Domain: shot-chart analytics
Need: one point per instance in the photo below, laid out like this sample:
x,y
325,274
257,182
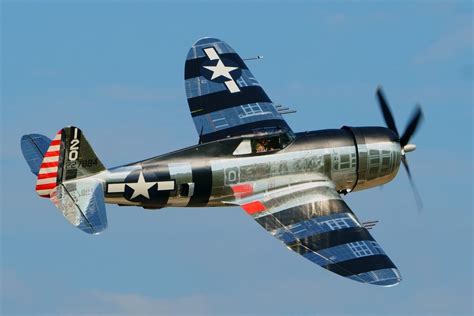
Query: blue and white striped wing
x,y
313,220
224,97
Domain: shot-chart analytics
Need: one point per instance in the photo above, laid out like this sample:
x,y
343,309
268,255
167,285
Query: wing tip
x,y
388,282
206,40
383,277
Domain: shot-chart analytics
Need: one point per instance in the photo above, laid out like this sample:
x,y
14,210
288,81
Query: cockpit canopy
x,y
260,144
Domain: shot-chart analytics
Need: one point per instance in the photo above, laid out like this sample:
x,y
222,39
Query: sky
x,y
115,69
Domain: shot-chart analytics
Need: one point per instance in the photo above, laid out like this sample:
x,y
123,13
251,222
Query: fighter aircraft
x,y
248,156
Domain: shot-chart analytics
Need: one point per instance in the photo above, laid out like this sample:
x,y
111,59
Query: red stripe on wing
x,y
254,207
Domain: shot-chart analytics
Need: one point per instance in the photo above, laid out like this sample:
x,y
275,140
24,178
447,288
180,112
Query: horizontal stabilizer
x,y
33,147
82,204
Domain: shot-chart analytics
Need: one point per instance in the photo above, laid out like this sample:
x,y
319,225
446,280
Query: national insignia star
x,y
141,187
221,70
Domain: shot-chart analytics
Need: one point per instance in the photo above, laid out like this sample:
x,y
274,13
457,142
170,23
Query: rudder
x,y
47,176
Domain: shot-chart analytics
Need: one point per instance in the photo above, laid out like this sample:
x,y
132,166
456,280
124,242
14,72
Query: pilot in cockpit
x,y
261,145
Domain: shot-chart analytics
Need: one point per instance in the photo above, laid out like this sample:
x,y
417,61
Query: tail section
x,y
64,176
69,156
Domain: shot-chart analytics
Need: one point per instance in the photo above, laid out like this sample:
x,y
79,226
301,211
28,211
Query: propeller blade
x,y
387,113
412,126
419,202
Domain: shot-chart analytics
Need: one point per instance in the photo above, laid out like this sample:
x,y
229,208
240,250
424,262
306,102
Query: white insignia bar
x,y
141,187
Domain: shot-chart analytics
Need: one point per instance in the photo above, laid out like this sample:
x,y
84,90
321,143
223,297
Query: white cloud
x,y
27,297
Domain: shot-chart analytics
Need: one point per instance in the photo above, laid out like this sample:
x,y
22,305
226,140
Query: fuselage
x,y
221,172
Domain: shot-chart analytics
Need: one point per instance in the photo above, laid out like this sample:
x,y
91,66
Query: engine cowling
x,y
378,156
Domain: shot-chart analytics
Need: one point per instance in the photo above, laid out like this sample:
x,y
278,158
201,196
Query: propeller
x,y
404,140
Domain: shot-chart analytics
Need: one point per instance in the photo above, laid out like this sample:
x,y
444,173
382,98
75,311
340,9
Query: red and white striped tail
x,y
48,172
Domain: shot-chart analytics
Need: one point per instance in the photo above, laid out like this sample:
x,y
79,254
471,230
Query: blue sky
x,y
116,71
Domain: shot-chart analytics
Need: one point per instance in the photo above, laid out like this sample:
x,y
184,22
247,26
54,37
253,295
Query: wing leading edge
x,y
224,97
313,220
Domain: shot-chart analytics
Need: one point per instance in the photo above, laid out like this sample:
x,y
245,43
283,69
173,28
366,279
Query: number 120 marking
x,y
74,147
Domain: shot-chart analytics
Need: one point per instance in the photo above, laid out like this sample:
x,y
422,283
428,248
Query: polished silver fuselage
x,y
211,174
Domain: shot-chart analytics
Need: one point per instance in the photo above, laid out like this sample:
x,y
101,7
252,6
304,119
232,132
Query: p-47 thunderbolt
x,y
248,156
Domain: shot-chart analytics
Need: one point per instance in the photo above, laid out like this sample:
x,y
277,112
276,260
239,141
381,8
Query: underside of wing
x,y
313,220
224,97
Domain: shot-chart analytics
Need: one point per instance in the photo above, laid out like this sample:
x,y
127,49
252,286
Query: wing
x,y
313,220
224,97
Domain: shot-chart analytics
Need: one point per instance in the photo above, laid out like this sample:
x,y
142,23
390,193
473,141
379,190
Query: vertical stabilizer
x,y
78,160
69,156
